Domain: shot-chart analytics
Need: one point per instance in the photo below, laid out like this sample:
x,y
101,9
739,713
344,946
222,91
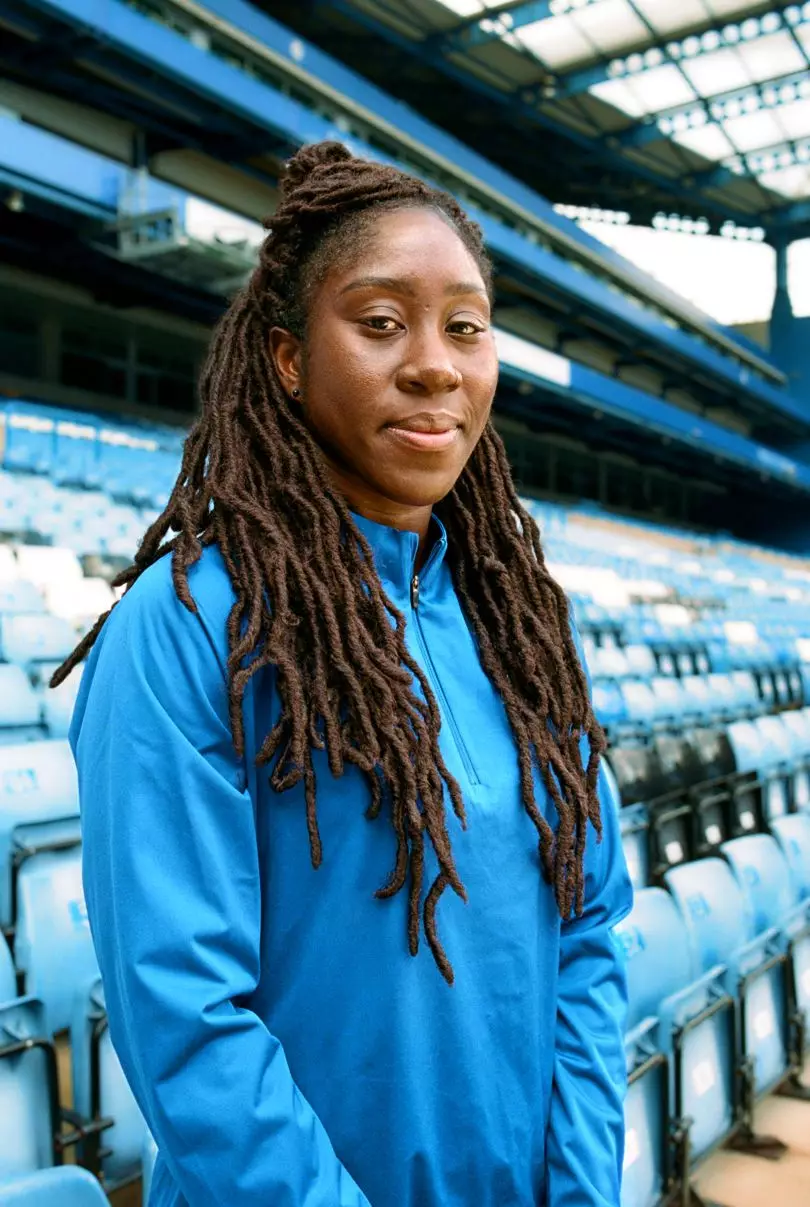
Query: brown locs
x,y
308,599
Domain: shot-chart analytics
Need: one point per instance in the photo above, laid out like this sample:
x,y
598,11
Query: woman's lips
x,y
428,442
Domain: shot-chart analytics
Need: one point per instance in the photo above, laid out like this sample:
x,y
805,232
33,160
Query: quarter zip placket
x,y
447,712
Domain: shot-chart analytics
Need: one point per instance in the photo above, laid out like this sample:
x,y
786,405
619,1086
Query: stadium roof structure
x,y
644,106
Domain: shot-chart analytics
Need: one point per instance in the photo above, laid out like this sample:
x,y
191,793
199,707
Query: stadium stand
x,y
702,689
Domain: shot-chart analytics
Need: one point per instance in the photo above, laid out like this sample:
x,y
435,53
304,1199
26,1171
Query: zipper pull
x,y
415,592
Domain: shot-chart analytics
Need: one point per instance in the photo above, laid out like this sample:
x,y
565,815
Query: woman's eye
x,y
465,327
381,322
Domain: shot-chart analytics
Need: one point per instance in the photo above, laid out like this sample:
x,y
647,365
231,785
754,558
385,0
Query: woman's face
x,y
399,369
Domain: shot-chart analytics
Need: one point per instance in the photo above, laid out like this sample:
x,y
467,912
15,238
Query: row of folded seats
x,y
50,989
718,961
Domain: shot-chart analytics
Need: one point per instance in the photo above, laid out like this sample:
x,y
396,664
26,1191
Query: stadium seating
x,y
29,1116
702,685
100,1090
67,1186
679,1044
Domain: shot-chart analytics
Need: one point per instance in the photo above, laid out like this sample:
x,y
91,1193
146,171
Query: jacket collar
x,y
395,554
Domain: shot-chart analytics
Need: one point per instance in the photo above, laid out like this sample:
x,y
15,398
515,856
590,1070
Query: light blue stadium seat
x,y
724,693
64,1186
640,660
769,885
39,806
29,639
30,438
20,596
19,707
58,704
634,824
777,766
667,998
148,1158
110,1097
608,703
27,1090
643,709
745,692
793,835
76,459
672,700
53,947
797,725
722,929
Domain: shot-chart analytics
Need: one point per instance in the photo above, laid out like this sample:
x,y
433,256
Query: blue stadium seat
x,y
793,835
30,438
53,947
634,824
642,707
722,929
39,808
30,639
777,766
58,704
76,459
797,725
640,660
18,595
671,1082
64,1186
608,704
28,1090
20,718
673,702
770,890
107,1095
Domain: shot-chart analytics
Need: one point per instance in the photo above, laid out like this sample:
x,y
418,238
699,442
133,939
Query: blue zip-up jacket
x,y
285,1048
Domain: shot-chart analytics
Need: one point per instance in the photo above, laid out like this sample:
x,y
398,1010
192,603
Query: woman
x,y
352,661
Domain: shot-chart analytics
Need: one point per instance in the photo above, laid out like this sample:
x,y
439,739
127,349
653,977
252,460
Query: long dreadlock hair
x,y
309,601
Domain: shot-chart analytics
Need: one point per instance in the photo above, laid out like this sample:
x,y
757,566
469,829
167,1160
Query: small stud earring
x,y
296,393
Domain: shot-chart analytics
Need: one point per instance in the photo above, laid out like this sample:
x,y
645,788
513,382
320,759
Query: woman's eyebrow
x,y
404,286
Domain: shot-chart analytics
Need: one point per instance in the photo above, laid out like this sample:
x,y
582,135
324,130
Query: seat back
x,y
746,743
19,705
763,875
38,785
713,909
792,832
54,949
65,1186
30,638
634,824
26,1114
644,1130
17,594
659,958
58,704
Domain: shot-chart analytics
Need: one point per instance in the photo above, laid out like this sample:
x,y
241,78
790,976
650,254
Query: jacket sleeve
x,y
585,1137
172,883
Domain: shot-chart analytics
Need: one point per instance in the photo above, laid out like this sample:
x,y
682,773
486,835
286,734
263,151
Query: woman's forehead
x,y
413,245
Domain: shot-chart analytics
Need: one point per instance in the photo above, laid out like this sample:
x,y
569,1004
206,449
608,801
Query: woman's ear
x,y
285,349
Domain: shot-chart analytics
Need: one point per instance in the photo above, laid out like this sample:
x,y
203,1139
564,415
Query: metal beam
x,y
781,15
785,154
769,94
